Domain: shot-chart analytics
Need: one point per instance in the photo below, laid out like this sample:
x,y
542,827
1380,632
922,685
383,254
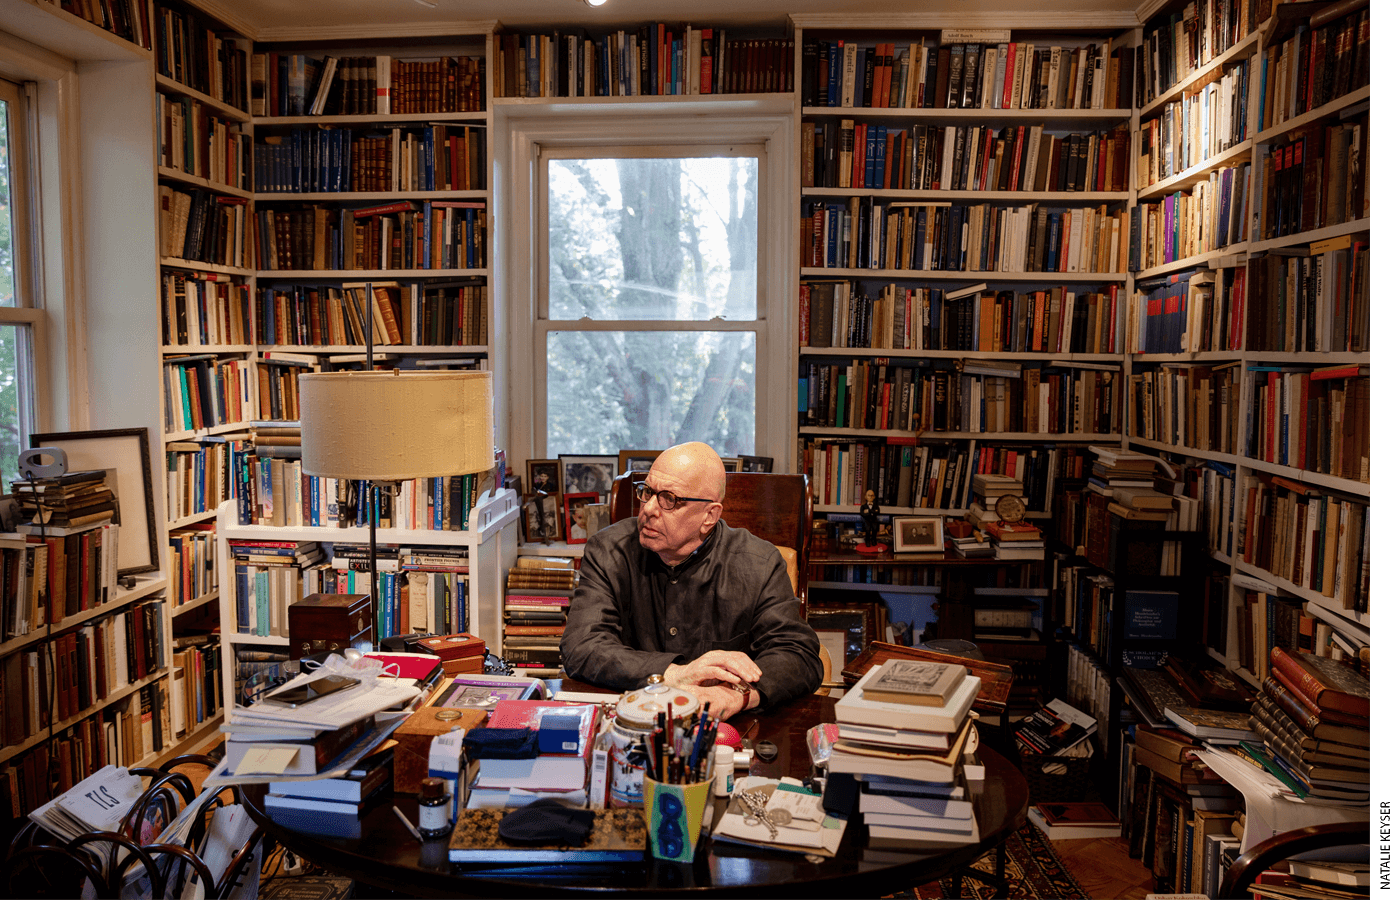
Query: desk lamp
x,y
387,427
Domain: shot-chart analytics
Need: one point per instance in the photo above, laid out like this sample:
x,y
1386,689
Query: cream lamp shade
x,y
393,426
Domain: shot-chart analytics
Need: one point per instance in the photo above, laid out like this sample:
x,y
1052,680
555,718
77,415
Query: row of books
x,y
199,142
54,681
1317,542
1316,65
1187,406
125,733
273,491
655,60
129,19
1189,131
435,314
297,84
204,391
1319,300
1189,38
848,154
1007,75
433,234
203,309
196,682
852,395
194,563
1189,311
435,157
50,577
1267,620
1318,177
197,475
838,314
1212,215
863,233
200,226
192,49
534,617
1317,419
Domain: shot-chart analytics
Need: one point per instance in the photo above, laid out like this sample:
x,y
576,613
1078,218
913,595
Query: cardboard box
x,y
415,737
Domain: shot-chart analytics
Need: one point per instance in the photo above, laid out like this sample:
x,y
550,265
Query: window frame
x,y
521,134
27,315
544,325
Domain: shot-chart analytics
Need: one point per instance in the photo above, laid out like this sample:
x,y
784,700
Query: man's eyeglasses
x,y
665,499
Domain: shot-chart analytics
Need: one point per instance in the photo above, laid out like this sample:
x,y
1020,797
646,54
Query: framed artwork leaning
x,y
848,628
124,454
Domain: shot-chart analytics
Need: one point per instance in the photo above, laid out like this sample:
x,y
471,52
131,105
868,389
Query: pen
x,y
407,824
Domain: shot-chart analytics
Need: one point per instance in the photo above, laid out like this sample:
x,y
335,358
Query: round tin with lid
x,y
635,718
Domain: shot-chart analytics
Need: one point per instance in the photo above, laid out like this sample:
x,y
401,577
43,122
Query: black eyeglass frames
x,y
666,499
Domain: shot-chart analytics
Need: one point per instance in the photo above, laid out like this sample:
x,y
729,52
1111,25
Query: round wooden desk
x,y
387,856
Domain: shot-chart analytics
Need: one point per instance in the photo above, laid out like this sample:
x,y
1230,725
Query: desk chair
x,y
1241,874
777,508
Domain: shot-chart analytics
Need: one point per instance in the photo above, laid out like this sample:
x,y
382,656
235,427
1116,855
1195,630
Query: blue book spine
x,y
872,133
437,504
240,595
880,139
263,626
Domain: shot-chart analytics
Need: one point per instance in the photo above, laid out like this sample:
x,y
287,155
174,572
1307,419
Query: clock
x,y
1010,509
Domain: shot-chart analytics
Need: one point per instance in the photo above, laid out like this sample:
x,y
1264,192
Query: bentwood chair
x,y
1241,874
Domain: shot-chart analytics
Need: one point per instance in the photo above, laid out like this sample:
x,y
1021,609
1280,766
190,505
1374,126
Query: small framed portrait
x,y
636,460
844,630
918,534
543,475
755,463
542,518
576,515
731,463
589,474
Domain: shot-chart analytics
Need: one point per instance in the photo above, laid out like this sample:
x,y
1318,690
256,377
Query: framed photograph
x,y
125,455
597,516
755,463
545,475
848,628
589,474
636,460
918,534
731,463
576,515
542,518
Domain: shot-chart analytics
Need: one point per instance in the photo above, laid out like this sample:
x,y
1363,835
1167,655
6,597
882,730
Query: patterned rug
x,y
1033,870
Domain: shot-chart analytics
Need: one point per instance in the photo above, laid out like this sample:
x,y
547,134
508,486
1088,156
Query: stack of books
x,y
333,805
974,546
987,489
538,590
1016,541
71,500
905,735
560,771
1314,721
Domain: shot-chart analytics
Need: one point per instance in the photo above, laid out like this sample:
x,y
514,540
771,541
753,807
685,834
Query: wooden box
x,y
416,735
329,622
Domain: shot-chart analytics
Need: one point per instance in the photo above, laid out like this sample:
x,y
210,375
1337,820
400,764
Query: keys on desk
x,y
757,805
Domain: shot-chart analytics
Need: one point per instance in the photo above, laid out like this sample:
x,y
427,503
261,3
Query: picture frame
x,y
125,455
731,463
575,525
540,519
847,627
539,500
918,534
583,474
635,460
597,516
755,463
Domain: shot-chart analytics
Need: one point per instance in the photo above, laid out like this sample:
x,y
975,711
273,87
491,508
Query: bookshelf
x,y
898,156
490,539
1256,349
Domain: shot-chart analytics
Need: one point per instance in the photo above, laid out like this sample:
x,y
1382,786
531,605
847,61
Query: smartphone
x,y
304,693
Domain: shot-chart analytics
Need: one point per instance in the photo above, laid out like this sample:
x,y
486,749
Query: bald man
x,y
676,591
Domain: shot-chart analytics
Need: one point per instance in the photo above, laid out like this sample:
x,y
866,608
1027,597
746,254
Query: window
x,y
17,294
651,316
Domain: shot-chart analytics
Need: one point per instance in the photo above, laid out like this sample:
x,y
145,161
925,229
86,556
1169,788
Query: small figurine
x,y
870,519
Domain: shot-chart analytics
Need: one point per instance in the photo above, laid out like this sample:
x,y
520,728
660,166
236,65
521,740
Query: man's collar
x,y
695,556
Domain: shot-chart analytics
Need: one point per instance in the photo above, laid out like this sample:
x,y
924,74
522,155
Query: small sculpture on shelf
x,y
870,519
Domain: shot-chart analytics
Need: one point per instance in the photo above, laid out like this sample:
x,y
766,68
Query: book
x,y
485,691
1346,874
1212,724
995,678
916,765
1054,729
898,737
1326,682
350,789
856,709
915,681
617,836
1209,686
1075,830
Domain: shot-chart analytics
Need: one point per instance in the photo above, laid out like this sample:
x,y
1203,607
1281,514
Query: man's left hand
x,y
724,701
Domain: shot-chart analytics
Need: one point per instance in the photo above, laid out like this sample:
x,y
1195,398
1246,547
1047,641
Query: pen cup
x,y
675,816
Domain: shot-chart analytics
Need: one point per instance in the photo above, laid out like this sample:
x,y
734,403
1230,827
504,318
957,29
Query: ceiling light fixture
x,y
595,3
431,4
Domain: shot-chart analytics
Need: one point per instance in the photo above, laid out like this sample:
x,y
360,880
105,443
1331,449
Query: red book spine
x,y
1298,675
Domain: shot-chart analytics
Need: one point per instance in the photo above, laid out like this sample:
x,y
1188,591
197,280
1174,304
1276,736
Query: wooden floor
x,y
1103,868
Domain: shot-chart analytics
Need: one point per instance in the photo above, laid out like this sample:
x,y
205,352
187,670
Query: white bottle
x,y
724,770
